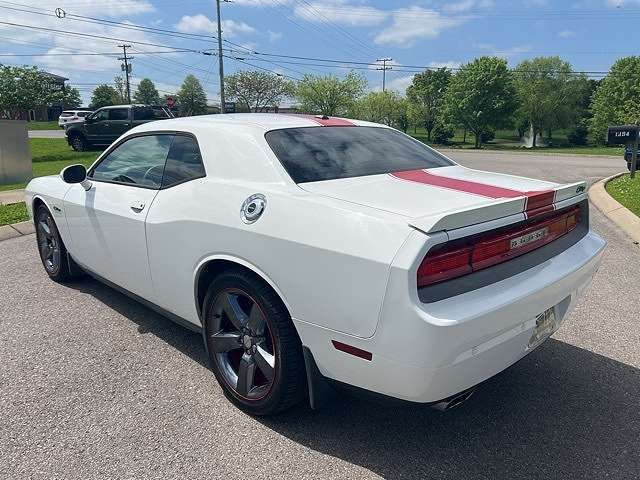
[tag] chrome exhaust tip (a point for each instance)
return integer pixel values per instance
(453, 401)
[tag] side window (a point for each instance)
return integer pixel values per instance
(138, 161)
(100, 115)
(184, 162)
(119, 114)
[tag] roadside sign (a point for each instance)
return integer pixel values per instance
(230, 107)
(622, 134)
(170, 102)
(626, 135)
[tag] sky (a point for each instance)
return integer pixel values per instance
(590, 34)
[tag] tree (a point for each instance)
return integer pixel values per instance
(69, 98)
(481, 97)
(121, 89)
(146, 93)
(23, 88)
(329, 95)
(104, 95)
(193, 100)
(550, 94)
(427, 93)
(615, 102)
(257, 90)
(382, 107)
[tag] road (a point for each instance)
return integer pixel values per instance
(93, 385)
(46, 133)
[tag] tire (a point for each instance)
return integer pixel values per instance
(53, 253)
(259, 345)
(79, 143)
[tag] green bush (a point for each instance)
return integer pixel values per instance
(578, 135)
(442, 133)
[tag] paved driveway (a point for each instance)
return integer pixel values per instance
(46, 133)
(93, 385)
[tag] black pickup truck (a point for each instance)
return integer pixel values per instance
(106, 124)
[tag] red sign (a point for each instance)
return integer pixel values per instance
(170, 102)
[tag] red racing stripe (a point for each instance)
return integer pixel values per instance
(536, 201)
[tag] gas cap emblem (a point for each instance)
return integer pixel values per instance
(253, 207)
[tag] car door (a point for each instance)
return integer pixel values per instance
(107, 222)
(95, 126)
(119, 122)
(168, 233)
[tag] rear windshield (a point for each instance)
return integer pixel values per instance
(67, 114)
(311, 154)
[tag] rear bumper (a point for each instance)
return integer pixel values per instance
(427, 352)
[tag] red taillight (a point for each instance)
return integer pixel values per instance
(488, 250)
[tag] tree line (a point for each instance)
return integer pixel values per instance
(536, 98)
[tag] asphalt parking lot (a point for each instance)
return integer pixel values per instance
(93, 385)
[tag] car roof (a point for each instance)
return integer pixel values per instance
(256, 121)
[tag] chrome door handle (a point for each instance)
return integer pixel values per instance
(137, 206)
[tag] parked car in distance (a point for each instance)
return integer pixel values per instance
(68, 117)
(315, 252)
(106, 124)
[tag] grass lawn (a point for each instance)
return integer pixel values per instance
(13, 213)
(50, 155)
(53, 125)
(508, 140)
(626, 191)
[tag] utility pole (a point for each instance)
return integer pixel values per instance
(384, 69)
(127, 69)
(220, 59)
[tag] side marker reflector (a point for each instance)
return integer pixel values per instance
(351, 350)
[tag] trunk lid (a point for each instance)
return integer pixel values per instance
(447, 198)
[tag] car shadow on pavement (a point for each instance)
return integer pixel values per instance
(148, 321)
(561, 412)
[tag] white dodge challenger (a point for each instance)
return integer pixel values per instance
(314, 252)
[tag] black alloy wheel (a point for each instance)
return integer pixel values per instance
(253, 347)
(50, 246)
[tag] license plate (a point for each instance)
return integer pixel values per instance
(545, 326)
(529, 238)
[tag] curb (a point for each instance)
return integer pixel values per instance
(16, 230)
(613, 210)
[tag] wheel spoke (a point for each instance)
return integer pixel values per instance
(231, 307)
(256, 321)
(224, 342)
(246, 374)
(265, 362)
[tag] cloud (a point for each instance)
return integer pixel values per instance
(400, 84)
(451, 64)
(202, 24)
(341, 12)
(274, 36)
(410, 24)
(466, 5)
(566, 33)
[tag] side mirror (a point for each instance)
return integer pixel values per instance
(89, 119)
(76, 174)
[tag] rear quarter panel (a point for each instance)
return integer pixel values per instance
(329, 261)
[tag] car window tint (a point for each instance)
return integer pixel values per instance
(138, 161)
(323, 153)
(66, 114)
(119, 114)
(149, 113)
(83, 114)
(101, 115)
(184, 161)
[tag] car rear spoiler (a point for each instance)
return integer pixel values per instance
(529, 204)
